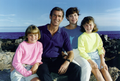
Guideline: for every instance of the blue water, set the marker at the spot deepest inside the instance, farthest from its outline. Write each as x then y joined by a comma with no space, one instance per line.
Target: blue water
11,35
111,34
16,35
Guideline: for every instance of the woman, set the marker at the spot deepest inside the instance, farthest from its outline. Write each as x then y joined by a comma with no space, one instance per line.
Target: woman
73,31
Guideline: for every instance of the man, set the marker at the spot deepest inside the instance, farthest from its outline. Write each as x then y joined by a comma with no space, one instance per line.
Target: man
54,39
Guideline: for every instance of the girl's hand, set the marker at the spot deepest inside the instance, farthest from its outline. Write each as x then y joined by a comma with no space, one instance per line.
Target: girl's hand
12,68
34,68
93,64
103,65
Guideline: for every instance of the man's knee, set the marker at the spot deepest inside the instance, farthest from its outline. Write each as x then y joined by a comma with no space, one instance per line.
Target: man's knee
43,73
42,69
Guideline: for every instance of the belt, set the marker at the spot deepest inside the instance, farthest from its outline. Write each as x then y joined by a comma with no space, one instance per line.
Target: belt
49,57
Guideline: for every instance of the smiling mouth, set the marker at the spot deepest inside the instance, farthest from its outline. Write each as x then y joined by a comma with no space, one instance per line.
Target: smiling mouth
56,21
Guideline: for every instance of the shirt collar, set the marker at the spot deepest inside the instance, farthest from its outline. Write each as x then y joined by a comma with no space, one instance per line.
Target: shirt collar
59,29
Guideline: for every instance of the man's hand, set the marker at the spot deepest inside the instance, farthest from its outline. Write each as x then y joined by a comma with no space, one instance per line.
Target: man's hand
63,67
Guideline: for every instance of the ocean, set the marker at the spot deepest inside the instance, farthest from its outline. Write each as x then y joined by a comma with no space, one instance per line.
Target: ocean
16,35
11,35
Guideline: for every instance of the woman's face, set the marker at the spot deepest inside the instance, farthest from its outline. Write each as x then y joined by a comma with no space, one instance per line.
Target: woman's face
89,27
73,18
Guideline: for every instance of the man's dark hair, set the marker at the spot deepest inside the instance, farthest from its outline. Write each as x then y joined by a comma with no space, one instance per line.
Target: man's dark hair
57,9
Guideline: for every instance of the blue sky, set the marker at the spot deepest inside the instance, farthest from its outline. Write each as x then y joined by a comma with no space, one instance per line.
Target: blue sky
17,15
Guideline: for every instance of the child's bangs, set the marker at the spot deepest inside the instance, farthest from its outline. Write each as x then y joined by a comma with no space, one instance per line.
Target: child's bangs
33,32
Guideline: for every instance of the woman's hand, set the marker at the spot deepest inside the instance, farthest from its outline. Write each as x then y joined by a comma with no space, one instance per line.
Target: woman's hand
64,55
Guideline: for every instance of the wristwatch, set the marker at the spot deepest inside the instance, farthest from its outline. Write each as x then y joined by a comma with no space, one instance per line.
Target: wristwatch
68,60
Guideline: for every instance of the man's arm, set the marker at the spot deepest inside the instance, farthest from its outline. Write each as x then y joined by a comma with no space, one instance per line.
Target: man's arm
65,65
70,56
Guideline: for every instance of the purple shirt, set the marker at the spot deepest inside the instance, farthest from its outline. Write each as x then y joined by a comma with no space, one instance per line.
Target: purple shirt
52,45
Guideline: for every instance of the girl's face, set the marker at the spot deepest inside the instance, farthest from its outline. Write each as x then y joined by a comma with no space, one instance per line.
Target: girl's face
32,38
73,18
89,27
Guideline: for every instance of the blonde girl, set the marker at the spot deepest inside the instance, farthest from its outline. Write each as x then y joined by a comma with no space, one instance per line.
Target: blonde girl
27,57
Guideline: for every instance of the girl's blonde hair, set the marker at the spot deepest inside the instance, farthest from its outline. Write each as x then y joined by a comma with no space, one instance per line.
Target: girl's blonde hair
32,29
88,19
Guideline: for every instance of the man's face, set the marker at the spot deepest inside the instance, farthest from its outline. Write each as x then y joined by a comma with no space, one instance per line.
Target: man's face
56,18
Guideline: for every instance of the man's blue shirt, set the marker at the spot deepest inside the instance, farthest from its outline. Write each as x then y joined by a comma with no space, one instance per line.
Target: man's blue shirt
53,45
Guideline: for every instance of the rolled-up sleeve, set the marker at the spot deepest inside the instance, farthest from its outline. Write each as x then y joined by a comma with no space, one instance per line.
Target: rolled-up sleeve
17,63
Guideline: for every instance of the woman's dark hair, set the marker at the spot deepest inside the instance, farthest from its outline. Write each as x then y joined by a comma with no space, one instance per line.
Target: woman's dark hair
56,9
88,19
72,10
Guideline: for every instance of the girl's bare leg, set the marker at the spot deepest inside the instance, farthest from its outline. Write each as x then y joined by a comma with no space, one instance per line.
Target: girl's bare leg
106,74
98,75
35,79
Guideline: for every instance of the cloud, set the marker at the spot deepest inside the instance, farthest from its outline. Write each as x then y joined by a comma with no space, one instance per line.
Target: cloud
64,23
112,10
9,20
108,19
44,16
13,28
5,19
27,22
42,19
105,19
63,3
7,15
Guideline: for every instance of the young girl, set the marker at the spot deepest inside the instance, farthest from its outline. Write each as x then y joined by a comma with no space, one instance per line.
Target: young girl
90,46
27,57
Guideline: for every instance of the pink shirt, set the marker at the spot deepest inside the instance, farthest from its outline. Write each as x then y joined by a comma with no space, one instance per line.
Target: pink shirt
27,53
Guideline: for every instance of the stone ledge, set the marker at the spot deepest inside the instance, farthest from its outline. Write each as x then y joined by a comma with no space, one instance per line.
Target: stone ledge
5,66
112,47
